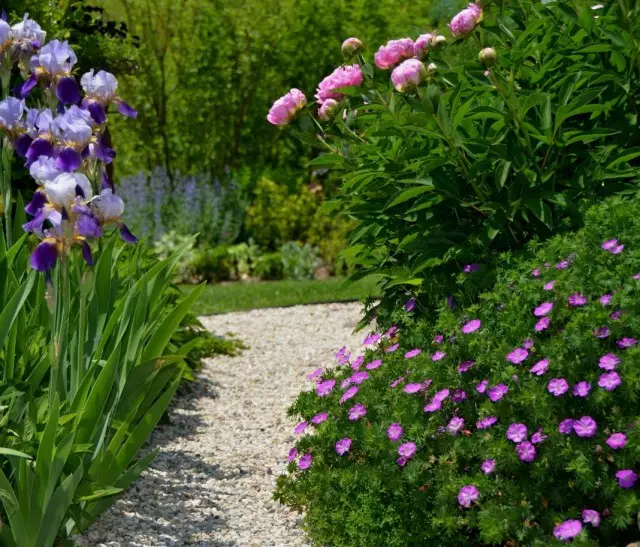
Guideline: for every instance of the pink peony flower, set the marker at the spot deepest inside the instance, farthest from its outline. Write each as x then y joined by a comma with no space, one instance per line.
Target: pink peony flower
344,76
286,107
408,75
328,109
394,51
465,21
422,44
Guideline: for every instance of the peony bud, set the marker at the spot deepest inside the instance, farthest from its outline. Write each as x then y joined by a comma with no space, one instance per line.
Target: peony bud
328,109
440,41
431,69
408,75
488,57
422,45
351,46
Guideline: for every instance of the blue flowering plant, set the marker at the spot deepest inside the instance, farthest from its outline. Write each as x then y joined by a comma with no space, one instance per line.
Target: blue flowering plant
512,421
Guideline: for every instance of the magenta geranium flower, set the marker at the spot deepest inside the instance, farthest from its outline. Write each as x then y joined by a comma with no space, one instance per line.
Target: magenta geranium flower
616,315
345,383
471,326
517,433
455,425
536,272
442,394
396,382
391,332
407,450
488,466
486,423
609,361
371,339
373,364
549,286
427,383
602,332
410,304
543,309
581,389
412,353
482,386
626,343
319,418
539,437
609,380
498,392
637,277
590,516
563,265
412,388
526,451
305,461
433,405
465,366
617,249
585,427
467,495
459,395
300,427
315,374
293,454
558,386
394,432
609,244
324,388
626,478
343,446
470,268
517,356
540,367
356,412
438,339
391,349
576,300
438,356
349,394
359,377
567,530
357,363
616,441
528,343
606,299
566,426
543,324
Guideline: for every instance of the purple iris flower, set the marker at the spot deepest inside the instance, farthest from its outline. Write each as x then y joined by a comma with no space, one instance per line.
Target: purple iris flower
74,130
55,60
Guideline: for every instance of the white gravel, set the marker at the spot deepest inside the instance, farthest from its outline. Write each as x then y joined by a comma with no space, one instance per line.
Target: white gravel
212,482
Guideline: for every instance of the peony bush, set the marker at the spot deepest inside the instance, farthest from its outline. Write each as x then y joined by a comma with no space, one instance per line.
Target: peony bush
512,421
462,142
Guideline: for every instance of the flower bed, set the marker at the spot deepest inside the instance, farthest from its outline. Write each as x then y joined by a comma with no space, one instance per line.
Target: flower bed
512,421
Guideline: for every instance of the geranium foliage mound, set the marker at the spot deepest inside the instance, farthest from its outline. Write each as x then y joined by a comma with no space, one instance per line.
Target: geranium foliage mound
510,422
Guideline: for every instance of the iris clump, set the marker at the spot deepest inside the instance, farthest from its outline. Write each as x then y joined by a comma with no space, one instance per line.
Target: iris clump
542,446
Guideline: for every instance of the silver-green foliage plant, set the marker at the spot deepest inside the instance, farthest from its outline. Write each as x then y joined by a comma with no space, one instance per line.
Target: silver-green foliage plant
84,373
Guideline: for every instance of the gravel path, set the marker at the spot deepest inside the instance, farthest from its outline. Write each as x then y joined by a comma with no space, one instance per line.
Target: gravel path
213,481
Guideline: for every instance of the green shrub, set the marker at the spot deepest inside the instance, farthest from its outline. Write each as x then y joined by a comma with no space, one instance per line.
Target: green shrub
298,261
269,266
213,264
168,244
328,233
478,159
365,494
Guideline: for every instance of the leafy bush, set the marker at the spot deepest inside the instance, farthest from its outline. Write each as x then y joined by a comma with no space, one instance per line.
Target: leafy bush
168,244
213,264
439,377
481,156
159,204
275,217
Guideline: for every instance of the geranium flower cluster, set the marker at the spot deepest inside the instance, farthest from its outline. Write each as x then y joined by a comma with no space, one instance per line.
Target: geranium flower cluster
64,144
462,396
403,56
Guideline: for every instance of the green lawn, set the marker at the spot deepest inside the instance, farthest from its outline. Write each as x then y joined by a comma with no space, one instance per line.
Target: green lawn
269,294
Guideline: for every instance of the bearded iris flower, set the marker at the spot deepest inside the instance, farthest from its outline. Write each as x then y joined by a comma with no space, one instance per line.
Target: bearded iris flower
100,90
